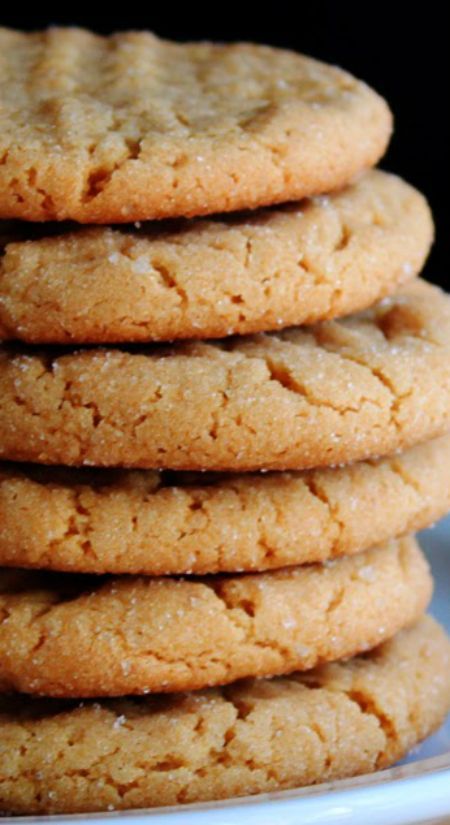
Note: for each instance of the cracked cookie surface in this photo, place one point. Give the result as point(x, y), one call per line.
point(336, 721)
point(157, 523)
point(75, 636)
point(319, 259)
point(131, 127)
point(367, 385)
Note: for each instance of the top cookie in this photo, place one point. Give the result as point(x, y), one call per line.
point(130, 127)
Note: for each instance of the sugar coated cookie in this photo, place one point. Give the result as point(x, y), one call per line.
point(339, 391)
point(264, 735)
point(112, 521)
point(68, 636)
point(131, 127)
point(319, 259)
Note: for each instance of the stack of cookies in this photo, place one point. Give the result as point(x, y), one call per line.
point(211, 476)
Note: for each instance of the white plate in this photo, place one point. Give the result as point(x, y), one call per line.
point(417, 790)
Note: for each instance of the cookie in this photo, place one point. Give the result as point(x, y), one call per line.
point(339, 391)
point(319, 259)
point(336, 721)
point(68, 636)
point(108, 521)
point(131, 127)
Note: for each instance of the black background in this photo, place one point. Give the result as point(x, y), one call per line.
point(400, 49)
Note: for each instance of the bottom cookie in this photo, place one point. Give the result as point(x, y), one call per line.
point(335, 721)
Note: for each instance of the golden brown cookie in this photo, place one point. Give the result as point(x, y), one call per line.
point(108, 521)
point(131, 127)
point(339, 391)
point(263, 735)
point(68, 636)
point(323, 258)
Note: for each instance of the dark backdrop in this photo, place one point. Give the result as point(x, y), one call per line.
point(400, 49)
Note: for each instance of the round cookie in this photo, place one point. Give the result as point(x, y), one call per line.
point(366, 385)
point(325, 257)
point(131, 127)
point(63, 636)
point(109, 521)
point(337, 721)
